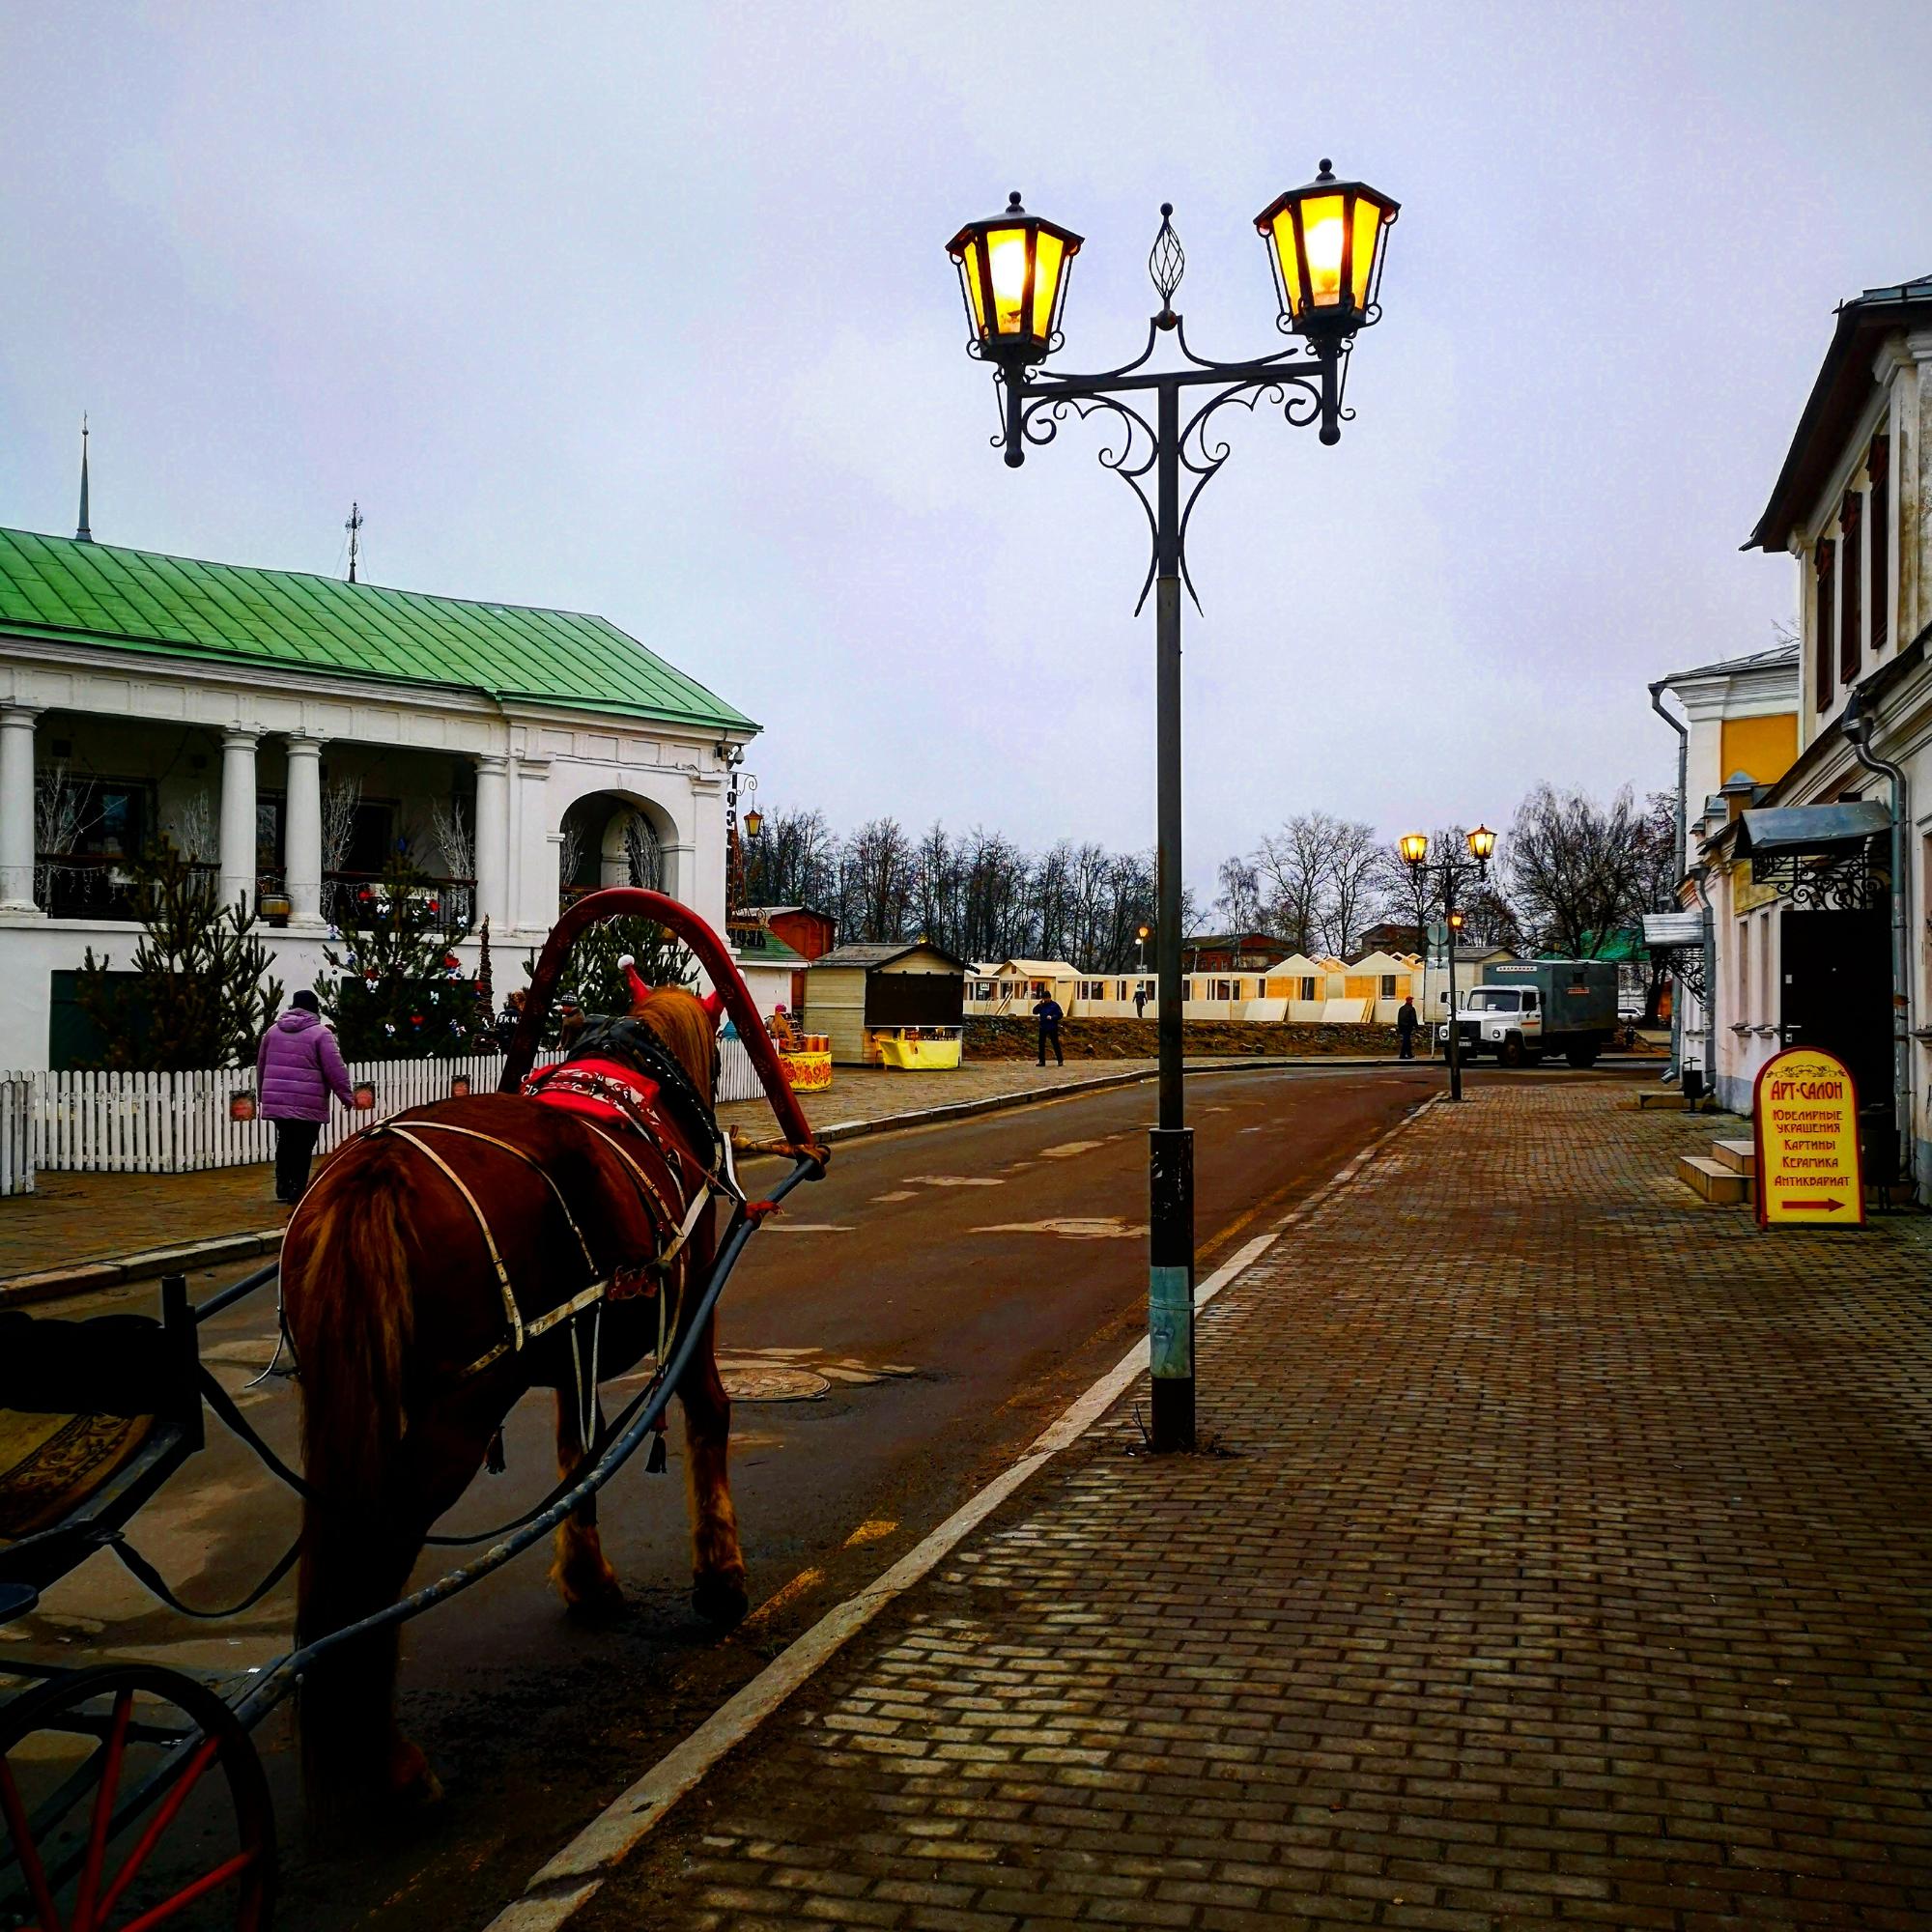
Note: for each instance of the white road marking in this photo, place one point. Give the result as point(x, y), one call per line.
point(956, 1180)
point(1099, 1227)
point(576, 1874)
point(897, 1194)
point(1067, 1148)
point(779, 1225)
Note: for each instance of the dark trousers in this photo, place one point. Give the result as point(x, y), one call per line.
point(294, 1148)
point(1050, 1036)
point(1406, 1042)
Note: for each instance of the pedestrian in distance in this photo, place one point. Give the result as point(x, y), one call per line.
point(298, 1066)
point(1140, 1002)
point(1406, 1023)
point(1048, 1013)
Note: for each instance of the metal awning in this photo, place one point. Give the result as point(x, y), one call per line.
point(1810, 830)
point(1662, 931)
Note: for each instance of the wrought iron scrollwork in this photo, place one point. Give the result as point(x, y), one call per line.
point(1167, 262)
point(1849, 883)
point(1685, 965)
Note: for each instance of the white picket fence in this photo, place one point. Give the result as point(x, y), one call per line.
point(179, 1122)
point(17, 1134)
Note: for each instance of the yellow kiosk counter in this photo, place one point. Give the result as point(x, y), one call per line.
point(918, 1046)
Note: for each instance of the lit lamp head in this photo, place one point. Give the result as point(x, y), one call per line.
point(1414, 847)
point(754, 822)
point(1482, 842)
point(1456, 921)
point(1325, 244)
point(1012, 272)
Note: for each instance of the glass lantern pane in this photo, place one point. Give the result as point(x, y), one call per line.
point(1291, 266)
point(1006, 254)
point(1321, 237)
point(1368, 239)
point(970, 272)
point(1046, 272)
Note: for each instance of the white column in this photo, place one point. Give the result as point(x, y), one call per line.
point(301, 832)
point(536, 888)
point(16, 807)
point(237, 816)
point(700, 864)
point(493, 841)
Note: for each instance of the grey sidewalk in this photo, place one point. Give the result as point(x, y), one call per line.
point(1567, 1561)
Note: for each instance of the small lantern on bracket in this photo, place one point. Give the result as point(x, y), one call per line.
point(1327, 243)
point(1013, 272)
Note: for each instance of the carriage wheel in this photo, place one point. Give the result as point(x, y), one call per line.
point(131, 1799)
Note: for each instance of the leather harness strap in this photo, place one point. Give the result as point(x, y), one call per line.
point(455, 1179)
point(508, 1147)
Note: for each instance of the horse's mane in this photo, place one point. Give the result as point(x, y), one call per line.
point(679, 1022)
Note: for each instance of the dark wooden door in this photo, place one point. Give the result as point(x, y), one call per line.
point(1836, 994)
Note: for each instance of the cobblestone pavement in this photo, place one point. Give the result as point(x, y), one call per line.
point(1565, 1562)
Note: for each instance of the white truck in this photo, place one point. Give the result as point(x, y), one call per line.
point(1523, 1009)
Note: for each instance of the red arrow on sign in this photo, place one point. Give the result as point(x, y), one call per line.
point(1807, 1201)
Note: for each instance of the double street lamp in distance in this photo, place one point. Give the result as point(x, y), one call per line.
point(1449, 873)
point(1326, 242)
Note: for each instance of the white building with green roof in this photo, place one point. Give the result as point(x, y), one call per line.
point(290, 730)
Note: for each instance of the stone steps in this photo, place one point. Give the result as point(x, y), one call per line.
point(1739, 1155)
point(1717, 1182)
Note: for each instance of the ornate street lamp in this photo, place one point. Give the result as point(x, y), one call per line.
point(1450, 873)
point(1327, 243)
point(1013, 272)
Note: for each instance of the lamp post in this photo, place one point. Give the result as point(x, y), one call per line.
point(1326, 246)
point(1140, 935)
point(1450, 873)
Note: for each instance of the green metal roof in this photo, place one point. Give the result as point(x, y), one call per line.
point(131, 600)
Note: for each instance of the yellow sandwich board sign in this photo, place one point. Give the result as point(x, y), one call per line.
point(1805, 1123)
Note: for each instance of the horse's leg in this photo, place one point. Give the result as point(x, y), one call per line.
point(716, 1563)
point(582, 1572)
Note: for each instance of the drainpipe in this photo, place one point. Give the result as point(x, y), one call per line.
point(1683, 731)
point(1857, 725)
point(1700, 873)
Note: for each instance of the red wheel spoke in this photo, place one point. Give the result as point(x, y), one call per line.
point(220, 1875)
point(100, 1828)
point(25, 1850)
point(163, 1817)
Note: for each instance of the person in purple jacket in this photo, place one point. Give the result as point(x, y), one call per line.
point(296, 1067)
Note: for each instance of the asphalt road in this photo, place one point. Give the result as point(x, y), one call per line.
point(892, 1340)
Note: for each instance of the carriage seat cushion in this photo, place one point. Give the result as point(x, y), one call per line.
point(112, 1365)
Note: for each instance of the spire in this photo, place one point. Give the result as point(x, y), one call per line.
point(83, 534)
point(355, 528)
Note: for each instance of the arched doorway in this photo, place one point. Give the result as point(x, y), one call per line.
point(609, 839)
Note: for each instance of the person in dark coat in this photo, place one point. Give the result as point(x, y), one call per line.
point(298, 1066)
point(1140, 1002)
point(1406, 1023)
point(1048, 1013)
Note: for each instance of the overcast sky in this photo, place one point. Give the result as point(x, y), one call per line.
point(644, 310)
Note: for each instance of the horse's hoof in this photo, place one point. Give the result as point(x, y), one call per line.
point(413, 1785)
point(720, 1600)
point(598, 1601)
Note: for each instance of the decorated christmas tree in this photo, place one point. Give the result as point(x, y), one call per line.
point(394, 989)
point(593, 975)
point(204, 995)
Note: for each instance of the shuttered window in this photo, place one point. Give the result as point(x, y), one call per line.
point(1878, 523)
point(1851, 626)
point(1821, 640)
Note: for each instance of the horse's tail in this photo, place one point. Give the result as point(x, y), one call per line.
point(346, 1294)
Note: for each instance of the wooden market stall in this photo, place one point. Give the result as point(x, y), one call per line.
point(893, 1004)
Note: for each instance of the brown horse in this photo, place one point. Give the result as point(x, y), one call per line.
point(395, 1273)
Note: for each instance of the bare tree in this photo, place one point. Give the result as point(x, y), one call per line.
point(792, 861)
point(1575, 868)
point(1348, 889)
point(644, 853)
point(875, 878)
point(63, 813)
point(341, 801)
point(1240, 900)
point(1294, 867)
